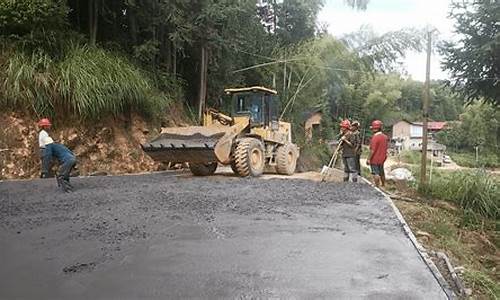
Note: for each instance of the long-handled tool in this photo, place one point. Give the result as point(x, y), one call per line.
point(326, 170)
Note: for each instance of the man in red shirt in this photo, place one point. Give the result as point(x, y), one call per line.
point(378, 153)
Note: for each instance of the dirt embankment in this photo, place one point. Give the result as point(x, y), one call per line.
point(109, 146)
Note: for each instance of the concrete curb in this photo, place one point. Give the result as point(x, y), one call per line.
point(420, 249)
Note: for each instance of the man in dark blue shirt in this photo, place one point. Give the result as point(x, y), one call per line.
point(66, 159)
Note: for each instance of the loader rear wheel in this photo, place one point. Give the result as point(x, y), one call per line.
point(286, 159)
point(249, 157)
point(203, 169)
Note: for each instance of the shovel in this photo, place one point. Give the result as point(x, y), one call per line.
point(330, 169)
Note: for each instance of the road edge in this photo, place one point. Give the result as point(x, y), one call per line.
point(420, 249)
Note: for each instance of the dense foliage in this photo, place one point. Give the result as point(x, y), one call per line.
point(92, 58)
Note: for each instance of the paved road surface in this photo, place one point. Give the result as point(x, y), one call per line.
point(166, 236)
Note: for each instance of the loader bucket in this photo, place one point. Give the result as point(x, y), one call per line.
point(193, 144)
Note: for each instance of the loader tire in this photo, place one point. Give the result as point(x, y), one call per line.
point(286, 159)
point(203, 169)
point(233, 167)
point(249, 157)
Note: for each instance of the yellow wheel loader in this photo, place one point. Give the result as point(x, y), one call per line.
point(249, 140)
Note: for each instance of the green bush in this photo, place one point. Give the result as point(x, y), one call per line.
point(86, 82)
point(19, 17)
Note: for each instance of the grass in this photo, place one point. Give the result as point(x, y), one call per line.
point(89, 83)
point(411, 157)
point(468, 159)
point(476, 192)
point(480, 280)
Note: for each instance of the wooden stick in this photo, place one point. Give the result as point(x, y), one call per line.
point(402, 198)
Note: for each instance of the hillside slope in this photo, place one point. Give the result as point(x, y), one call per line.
point(109, 146)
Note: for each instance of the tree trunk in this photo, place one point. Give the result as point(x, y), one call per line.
point(174, 62)
point(132, 19)
point(165, 50)
point(203, 82)
point(78, 22)
point(93, 21)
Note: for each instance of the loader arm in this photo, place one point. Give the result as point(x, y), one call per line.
point(225, 144)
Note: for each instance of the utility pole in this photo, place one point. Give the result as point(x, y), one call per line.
point(426, 100)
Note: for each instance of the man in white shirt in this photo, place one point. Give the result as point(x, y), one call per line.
point(43, 140)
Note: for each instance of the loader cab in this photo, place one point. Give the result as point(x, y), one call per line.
point(261, 104)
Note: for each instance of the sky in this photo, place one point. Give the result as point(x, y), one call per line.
point(389, 15)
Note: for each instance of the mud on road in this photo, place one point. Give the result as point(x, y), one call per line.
point(170, 235)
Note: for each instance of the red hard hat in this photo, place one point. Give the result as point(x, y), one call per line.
point(345, 124)
point(377, 124)
point(44, 122)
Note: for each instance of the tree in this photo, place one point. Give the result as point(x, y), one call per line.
point(296, 20)
point(479, 126)
point(25, 16)
point(383, 51)
point(474, 60)
point(358, 4)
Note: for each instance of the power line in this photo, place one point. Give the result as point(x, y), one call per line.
point(335, 69)
point(266, 64)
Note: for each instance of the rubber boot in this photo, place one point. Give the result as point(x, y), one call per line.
point(68, 183)
point(64, 184)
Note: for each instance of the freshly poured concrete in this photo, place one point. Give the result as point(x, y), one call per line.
point(164, 236)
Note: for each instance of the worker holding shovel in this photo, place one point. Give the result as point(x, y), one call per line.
point(349, 144)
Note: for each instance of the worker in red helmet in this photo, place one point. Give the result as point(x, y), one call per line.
point(378, 153)
point(44, 139)
point(349, 144)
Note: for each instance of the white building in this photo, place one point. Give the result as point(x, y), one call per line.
point(408, 136)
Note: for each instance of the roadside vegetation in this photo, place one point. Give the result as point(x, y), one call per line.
point(440, 226)
point(468, 159)
point(458, 212)
point(411, 157)
point(476, 192)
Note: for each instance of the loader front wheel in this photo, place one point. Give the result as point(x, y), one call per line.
point(249, 157)
point(203, 169)
point(233, 167)
point(286, 159)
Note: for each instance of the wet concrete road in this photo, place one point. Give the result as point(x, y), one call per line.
point(166, 236)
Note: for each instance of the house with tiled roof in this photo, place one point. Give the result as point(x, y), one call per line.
point(408, 135)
